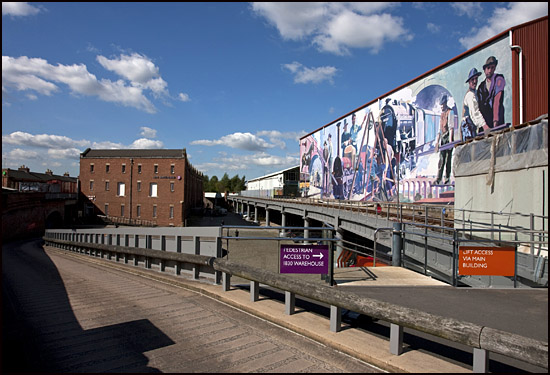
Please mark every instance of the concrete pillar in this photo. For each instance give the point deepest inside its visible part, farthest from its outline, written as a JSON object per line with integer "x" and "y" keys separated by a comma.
{"x": 283, "y": 224}
{"x": 267, "y": 223}
{"x": 256, "y": 214}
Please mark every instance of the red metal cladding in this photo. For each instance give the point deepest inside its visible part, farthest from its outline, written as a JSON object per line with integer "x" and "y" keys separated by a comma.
{"x": 532, "y": 37}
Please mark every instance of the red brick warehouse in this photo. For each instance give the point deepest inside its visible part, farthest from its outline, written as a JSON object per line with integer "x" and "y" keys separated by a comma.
{"x": 135, "y": 186}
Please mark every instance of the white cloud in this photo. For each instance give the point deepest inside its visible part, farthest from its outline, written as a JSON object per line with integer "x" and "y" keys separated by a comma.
{"x": 243, "y": 141}
{"x": 67, "y": 153}
{"x": 244, "y": 162}
{"x": 183, "y": 97}
{"x": 433, "y": 28}
{"x": 42, "y": 140}
{"x": 18, "y": 9}
{"x": 146, "y": 143}
{"x": 139, "y": 70}
{"x": 37, "y": 74}
{"x": 335, "y": 27}
{"x": 472, "y": 10}
{"x": 276, "y": 137}
{"x": 148, "y": 132}
{"x": 504, "y": 18}
{"x": 303, "y": 74}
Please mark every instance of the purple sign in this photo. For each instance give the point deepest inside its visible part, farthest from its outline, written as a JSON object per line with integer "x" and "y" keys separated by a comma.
{"x": 304, "y": 259}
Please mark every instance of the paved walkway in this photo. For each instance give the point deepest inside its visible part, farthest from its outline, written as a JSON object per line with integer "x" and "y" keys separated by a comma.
{"x": 68, "y": 313}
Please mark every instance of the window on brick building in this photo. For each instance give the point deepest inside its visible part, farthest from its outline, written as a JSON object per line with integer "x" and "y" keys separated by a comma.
{"x": 106, "y": 185}
{"x": 139, "y": 186}
{"x": 107, "y": 167}
{"x": 153, "y": 189}
{"x": 91, "y": 168}
{"x": 91, "y": 184}
{"x": 121, "y": 189}
{"x": 138, "y": 210}
{"x": 122, "y": 210}
{"x": 154, "y": 211}
{"x": 123, "y": 168}
{"x": 172, "y": 169}
{"x": 139, "y": 168}
{"x": 171, "y": 186}
{"x": 156, "y": 169}
{"x": 171, "y": 212}
{"x": 106, "y": 209}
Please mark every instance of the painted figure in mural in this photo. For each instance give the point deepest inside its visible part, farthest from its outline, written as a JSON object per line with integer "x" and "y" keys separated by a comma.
{"x": 330, "y": 161}
{"x": 306, "y": 156}
{"x": 326, "y": 175}
{"x": 444, "y": 137}
{"x": 472, "y": 119}
{"x": 348, "y": 150}
{"x": 490, "y": 94}
{"x": 374, "y": 180}
{"x": 389, "y": 122}
{"x": 355, "y": 129}
{"x": 389, "y": 170}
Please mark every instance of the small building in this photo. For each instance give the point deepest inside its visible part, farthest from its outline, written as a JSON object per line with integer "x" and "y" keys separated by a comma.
{"x": 140, "y": 187}
{"x": 275, "y": 185}
{"x": 23, "y": 180}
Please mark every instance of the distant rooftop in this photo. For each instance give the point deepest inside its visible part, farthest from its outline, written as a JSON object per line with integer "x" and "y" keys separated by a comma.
{"x": 134, "y": 153}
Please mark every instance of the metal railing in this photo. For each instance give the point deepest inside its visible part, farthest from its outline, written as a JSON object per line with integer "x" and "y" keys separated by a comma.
{"x": 481, "y": 339}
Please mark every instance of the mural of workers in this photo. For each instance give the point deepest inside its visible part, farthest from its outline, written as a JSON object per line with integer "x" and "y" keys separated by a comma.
{"x": 403, "y": 146}
{"x": 490, "y": 94}
{"x": 472, "y": 120}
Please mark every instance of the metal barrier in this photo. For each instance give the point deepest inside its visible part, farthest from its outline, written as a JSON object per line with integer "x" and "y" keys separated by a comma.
{"x": 481, "y": 339}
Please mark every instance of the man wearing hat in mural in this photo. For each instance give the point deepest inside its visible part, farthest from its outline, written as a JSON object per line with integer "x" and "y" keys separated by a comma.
{"x": 472, "y": 119}
{"x": 444, "y": 137}
{"x": 490, "y": 94}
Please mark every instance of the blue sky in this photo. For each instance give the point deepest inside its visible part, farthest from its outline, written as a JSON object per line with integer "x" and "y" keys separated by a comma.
{"x": 236, "y": 84}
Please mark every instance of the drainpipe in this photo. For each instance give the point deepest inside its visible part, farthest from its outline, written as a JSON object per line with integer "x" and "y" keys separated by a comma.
{"x": 520, "y": 78}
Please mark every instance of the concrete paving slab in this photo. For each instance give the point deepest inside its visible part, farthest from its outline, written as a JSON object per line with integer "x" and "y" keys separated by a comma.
{"x": 383, "y": 276}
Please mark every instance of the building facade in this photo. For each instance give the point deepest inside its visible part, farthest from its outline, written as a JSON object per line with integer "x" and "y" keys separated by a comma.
{"x": 23, "y": 180}
{"x": 140, "y": 187}
{"x": 274, "y": 185}
{"x": 403, "y": 140}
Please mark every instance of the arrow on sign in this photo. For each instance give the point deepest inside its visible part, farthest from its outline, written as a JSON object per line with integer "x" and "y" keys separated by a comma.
{"x": 320, "y": 256}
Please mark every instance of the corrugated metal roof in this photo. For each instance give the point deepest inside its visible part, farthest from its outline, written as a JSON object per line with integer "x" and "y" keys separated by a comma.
{"x": 134, "y": 153}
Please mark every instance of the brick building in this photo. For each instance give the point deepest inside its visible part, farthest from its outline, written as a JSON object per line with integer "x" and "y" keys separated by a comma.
{"x": 24, "y": 180}
{"x": 157, "y": 187}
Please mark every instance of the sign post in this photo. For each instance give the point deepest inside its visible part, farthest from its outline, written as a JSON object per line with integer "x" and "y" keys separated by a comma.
{"x": 311, "y": 259}
{"x": 486, "y": 261}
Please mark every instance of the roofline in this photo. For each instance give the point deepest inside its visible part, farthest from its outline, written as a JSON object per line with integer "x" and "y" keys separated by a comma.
{"x": 273, "y": 174}
{"x": 456, "y": 58}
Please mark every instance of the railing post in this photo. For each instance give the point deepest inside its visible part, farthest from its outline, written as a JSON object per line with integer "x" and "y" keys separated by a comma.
{"x": 335, "y": 318}
{"x": 290, "y": 303}
{"x": 532, "y": 227}
{"x": 197, "y": 247}
{"x": 396, "y": 339}
{"x": 397, "y": 245}
{"x": 481, "y": 360}
{"x": 226, "y": 281}
{"x": 254, "y": 291}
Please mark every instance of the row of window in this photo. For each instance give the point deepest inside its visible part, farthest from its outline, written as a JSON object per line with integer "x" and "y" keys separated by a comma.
{"x": 121, "y": 188}
{"x": 138, "y": 211}
{"x": 139, "y": 169}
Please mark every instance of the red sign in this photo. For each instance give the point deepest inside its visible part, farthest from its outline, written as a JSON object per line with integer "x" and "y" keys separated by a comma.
{"x": 486, "y": 261}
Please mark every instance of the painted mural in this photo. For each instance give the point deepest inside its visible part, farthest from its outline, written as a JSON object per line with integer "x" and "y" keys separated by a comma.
{"x": 403, "y": 143}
